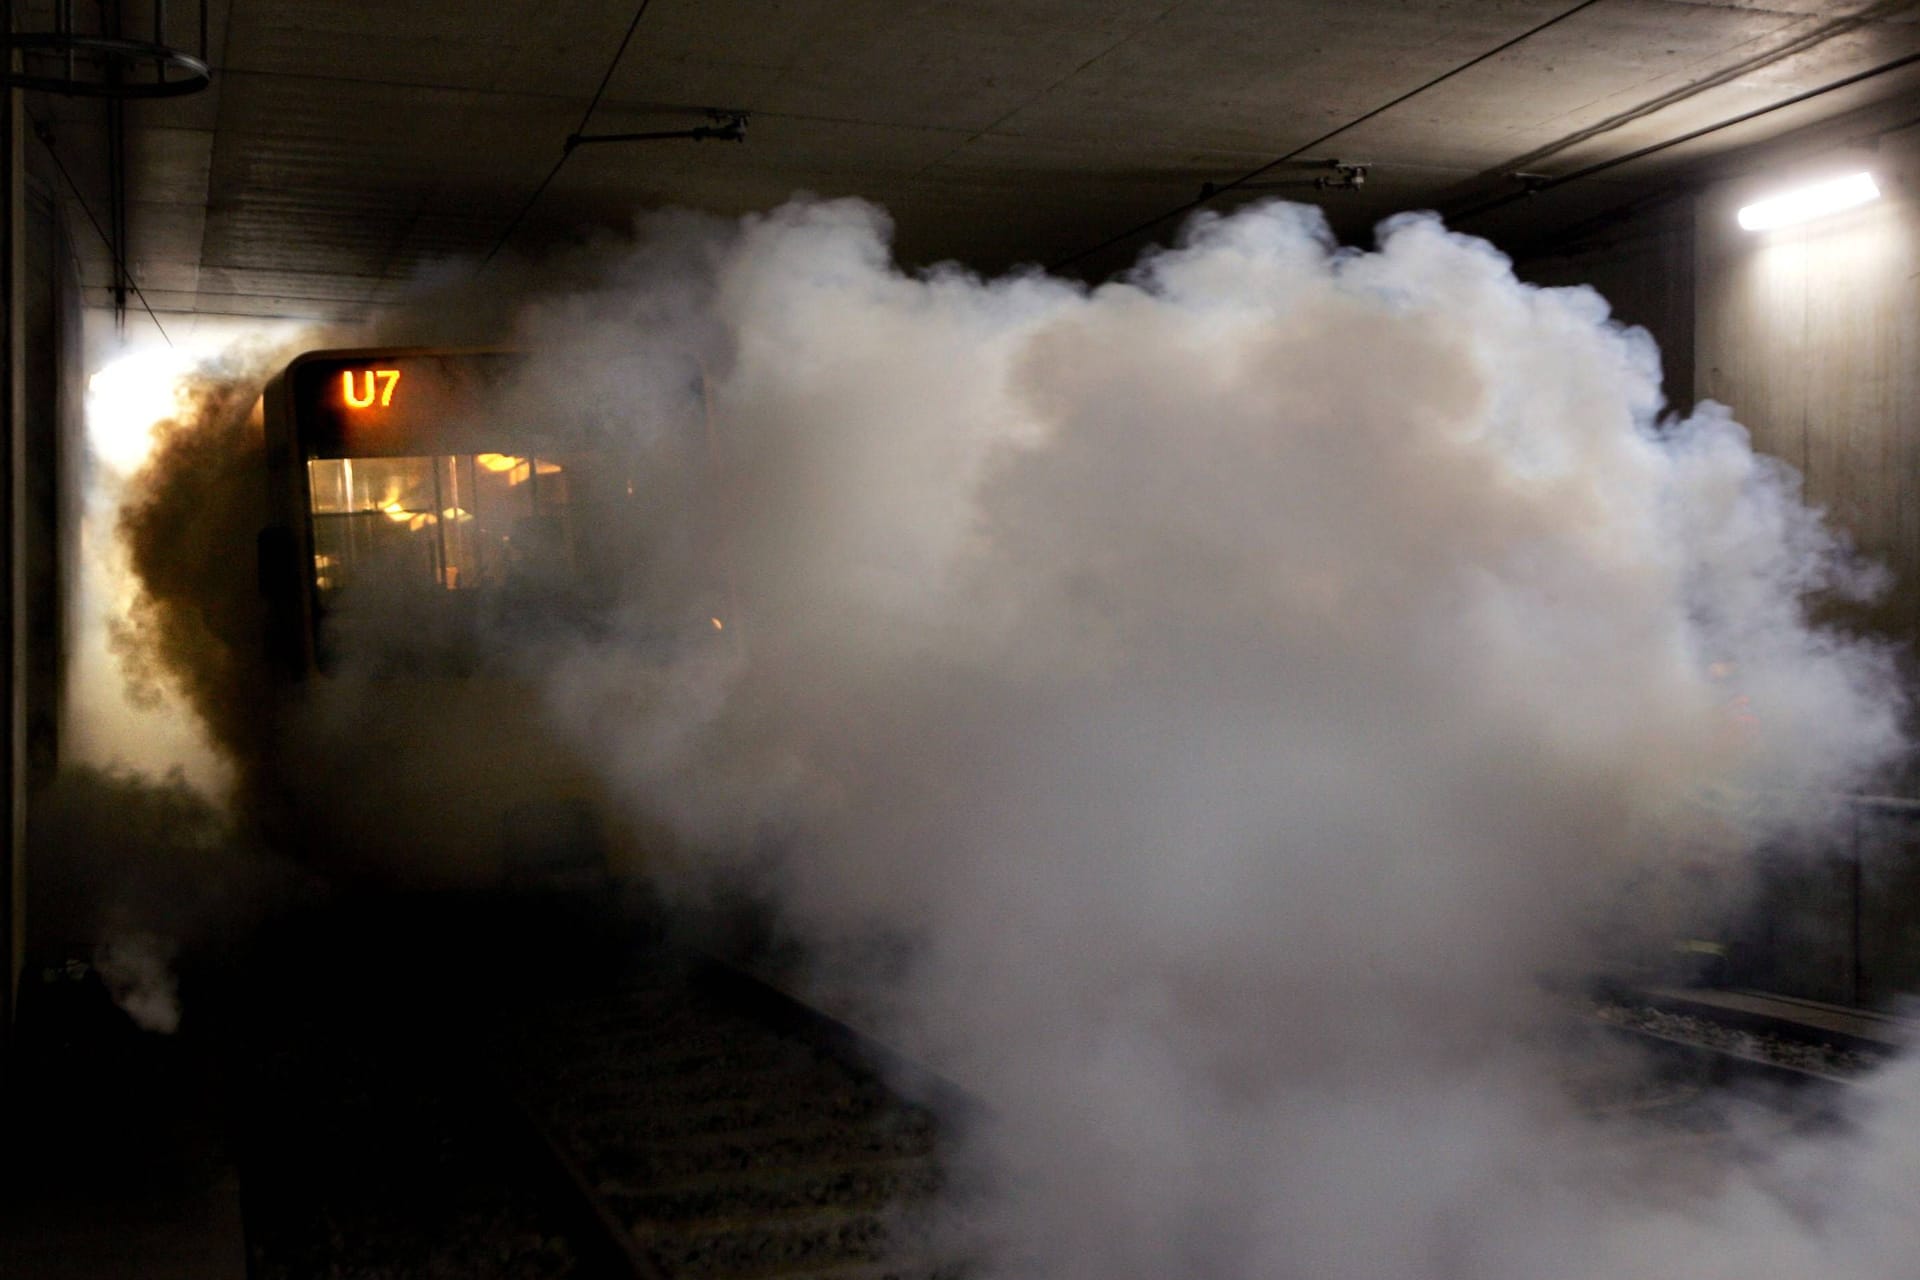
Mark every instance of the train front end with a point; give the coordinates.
(425, 551)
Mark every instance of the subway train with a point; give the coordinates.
(426, 540)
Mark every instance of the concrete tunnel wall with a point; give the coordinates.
(1812, 335)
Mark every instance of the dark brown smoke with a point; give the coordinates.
(189, 524)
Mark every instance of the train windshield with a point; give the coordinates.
(447, 522)
(419, 559)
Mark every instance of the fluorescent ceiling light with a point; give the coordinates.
(1810, 202)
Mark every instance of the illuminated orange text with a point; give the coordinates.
(388, 379)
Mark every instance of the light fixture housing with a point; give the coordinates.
(1805, 203)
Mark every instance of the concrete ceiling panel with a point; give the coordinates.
(430, 45)
(351, 145)
(170, 165)
(160, 233)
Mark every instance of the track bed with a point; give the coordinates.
(732, 1144)
(410, 1097)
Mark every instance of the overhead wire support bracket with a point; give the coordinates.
(1346, 176)
(727, 127)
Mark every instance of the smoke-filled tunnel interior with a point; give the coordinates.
(960, 640)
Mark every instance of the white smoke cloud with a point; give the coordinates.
(1229, 690)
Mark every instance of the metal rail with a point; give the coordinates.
(721, 1127)
(605, 1245)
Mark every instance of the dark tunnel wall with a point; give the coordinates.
(54, 427)
(45, 392)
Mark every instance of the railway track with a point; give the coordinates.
(1720, 1046)
(727, 1135)
(370, 1147)
(1713, 1081)
(412, 1100)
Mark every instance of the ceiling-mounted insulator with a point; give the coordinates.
(1346, 176)
(151, 49)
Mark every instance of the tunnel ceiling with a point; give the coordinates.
(346, 146)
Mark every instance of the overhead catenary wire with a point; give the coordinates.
(566, 152)
(44, 131)
(1212, 192)
(1731, 73)
(1536, 186)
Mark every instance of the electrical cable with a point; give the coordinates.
(44, 131)
(1745, 67)
(1213, 192)
(1601, 166)
(566, 152)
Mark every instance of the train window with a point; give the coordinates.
(445, 523)
(415, 556)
